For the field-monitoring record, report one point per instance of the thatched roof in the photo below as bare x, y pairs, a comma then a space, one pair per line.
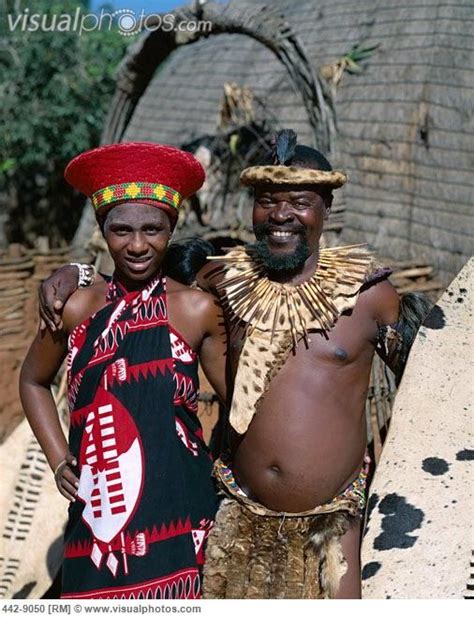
404, 125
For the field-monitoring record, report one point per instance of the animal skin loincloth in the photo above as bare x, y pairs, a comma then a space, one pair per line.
256, 553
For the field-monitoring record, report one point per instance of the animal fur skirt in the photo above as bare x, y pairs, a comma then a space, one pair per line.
253, 555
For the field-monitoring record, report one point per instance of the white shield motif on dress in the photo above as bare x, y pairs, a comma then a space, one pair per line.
111, 467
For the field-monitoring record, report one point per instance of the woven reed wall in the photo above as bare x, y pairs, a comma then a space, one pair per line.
20, 274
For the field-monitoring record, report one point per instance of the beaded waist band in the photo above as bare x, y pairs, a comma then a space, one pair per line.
352, 499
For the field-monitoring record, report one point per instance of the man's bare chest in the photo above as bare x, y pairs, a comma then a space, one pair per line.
351, 339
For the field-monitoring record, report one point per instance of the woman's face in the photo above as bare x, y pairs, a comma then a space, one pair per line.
137, 236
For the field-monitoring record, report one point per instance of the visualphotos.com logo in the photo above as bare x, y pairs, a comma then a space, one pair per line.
126, 21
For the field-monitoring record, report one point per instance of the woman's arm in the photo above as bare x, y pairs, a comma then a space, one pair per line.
43, 361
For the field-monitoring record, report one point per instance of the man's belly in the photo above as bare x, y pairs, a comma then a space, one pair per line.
301, 450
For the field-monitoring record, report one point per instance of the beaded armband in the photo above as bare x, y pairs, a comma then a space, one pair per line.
394, 340
87, 274
389, 343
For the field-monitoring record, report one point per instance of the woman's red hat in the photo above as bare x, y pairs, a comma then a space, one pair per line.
135, 171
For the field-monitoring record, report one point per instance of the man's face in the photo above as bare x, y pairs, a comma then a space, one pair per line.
288, 222
137, 236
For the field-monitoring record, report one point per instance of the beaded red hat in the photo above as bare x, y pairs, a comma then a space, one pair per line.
135, 172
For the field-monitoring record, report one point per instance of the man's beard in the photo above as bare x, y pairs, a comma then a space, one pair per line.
277, 262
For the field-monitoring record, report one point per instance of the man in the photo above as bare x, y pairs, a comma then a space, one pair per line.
305, 323
143, 501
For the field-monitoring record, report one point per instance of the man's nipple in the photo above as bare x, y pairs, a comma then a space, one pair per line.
340, 354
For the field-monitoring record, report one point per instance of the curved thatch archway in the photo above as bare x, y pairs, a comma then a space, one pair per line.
258, 21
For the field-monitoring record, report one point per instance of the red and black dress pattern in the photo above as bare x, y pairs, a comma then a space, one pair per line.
146, 501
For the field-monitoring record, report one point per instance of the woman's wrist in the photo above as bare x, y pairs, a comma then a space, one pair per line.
59, 467
61, 460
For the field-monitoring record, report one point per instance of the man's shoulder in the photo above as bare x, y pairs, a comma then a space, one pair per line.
378, 272
381, 299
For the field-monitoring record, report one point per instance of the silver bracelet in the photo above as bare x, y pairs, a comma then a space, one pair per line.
87, 274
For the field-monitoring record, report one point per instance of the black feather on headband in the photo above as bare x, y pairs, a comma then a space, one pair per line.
283, 147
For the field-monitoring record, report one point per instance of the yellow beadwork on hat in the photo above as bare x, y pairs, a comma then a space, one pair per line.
136, 190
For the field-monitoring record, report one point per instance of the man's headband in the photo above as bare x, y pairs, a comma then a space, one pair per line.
291, 175
284, 170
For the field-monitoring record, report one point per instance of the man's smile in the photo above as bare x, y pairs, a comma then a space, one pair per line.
277, 236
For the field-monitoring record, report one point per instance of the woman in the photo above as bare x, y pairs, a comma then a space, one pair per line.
135, 468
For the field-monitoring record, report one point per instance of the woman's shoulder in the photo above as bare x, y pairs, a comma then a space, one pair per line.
190, 295
84, 303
